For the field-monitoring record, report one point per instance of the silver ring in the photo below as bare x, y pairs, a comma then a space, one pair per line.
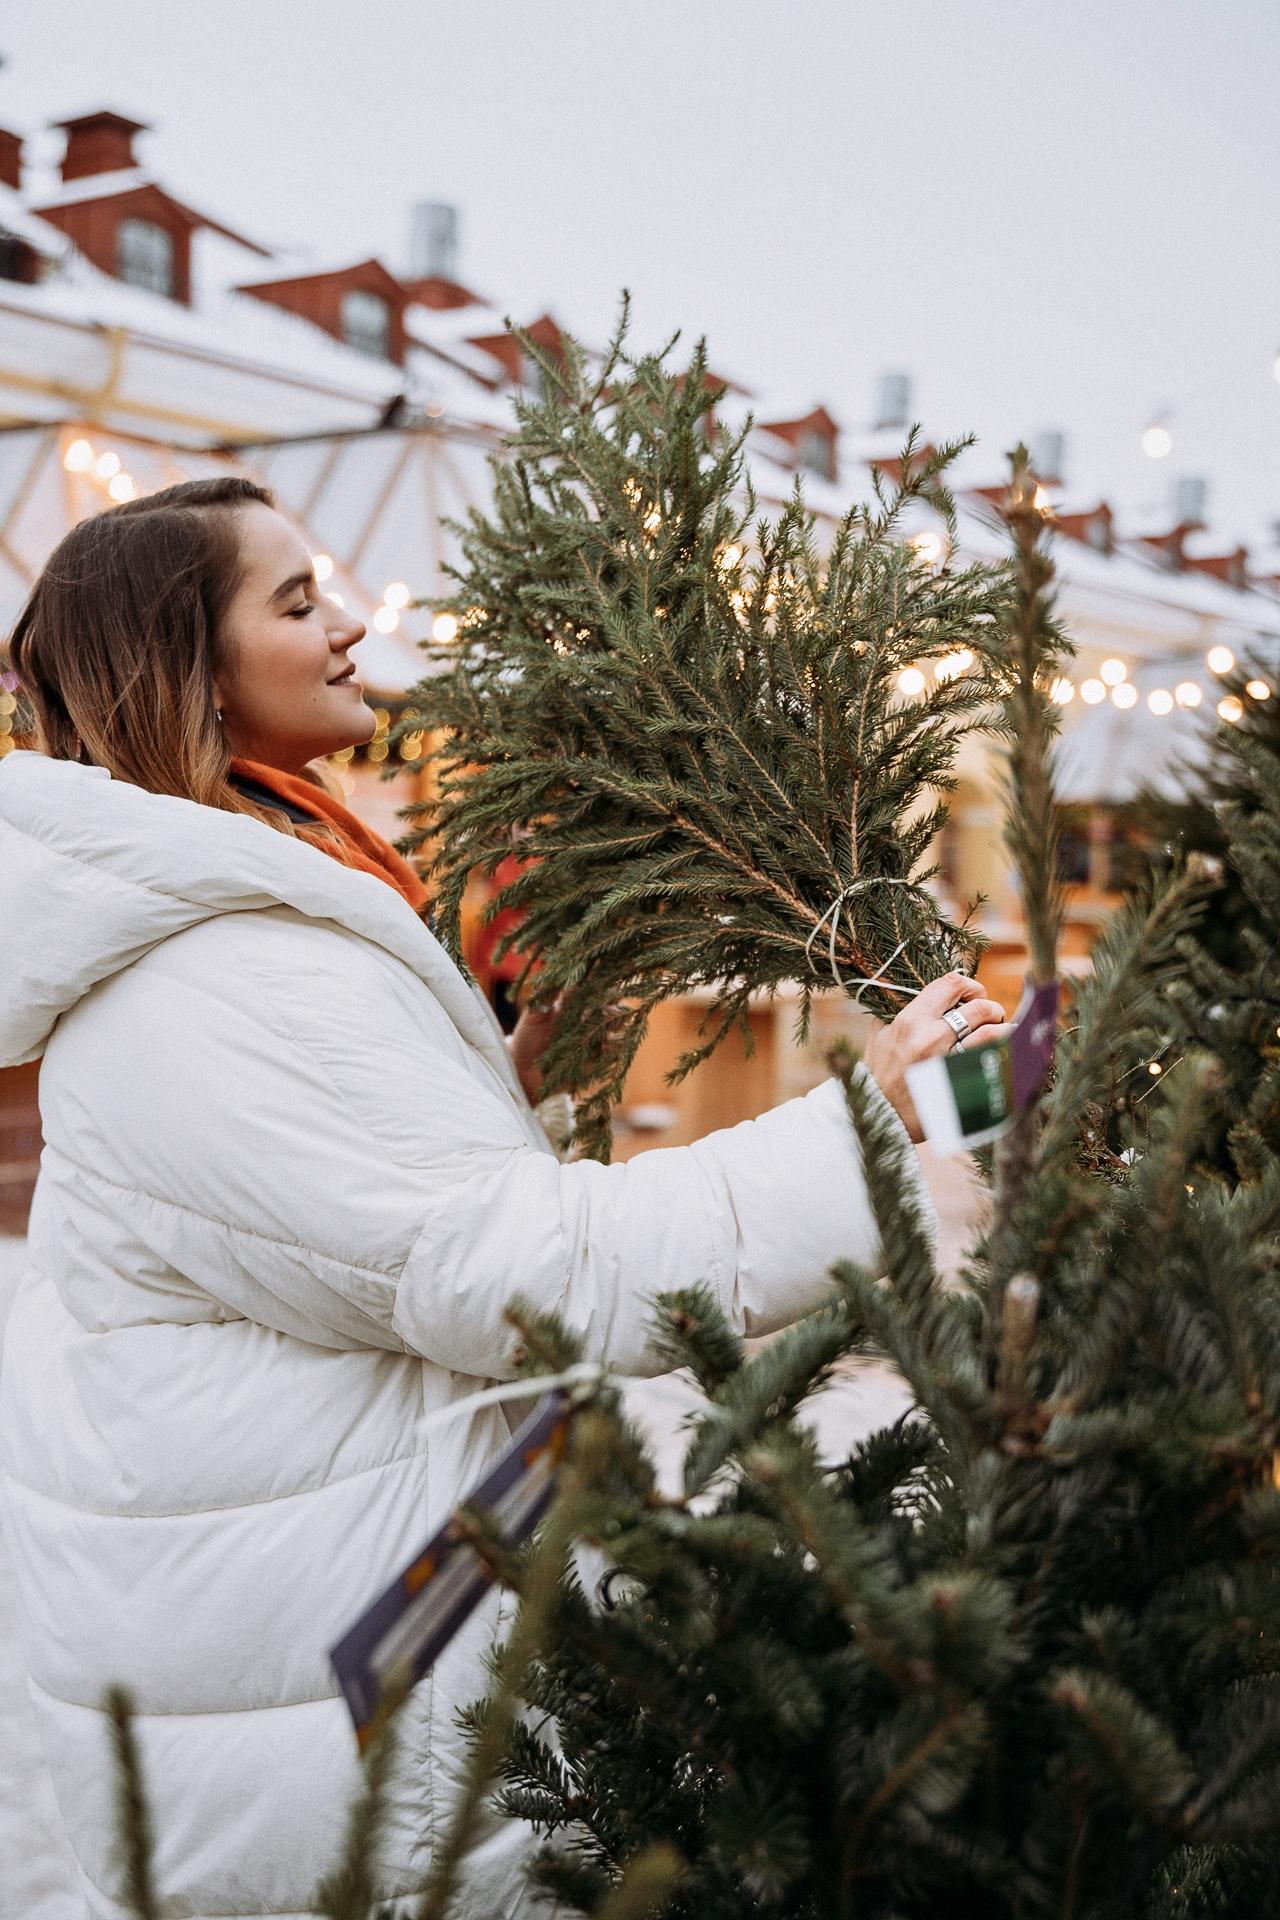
955, 1019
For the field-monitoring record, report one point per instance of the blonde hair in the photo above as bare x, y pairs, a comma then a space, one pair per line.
120, 640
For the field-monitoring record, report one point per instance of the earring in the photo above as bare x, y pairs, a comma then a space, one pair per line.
217, 714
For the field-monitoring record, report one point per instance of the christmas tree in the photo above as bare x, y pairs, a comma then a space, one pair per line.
1227, 998
1018, 1655
694, 721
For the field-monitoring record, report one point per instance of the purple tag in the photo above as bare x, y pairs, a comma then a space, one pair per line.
407, 1627
1032, 1041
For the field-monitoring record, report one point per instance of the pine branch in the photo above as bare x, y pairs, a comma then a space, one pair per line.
702, 741
350, 1890
132, 1815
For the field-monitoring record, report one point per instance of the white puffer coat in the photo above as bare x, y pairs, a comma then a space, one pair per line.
289, 1183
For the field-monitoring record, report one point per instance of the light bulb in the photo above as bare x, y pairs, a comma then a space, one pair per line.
1062, 692
1258, 690
952, 665
1092, 691
1113, 672
728, 557
444, 629
122, 486
322, 566
397, 594
1230, 709
1157, 441
386, 619
1125, 695
1160, 700
1187, 694
911, 682
1220, 659
78, 457
106, 464
927, 548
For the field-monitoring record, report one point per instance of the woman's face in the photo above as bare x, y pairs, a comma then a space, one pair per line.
285, 645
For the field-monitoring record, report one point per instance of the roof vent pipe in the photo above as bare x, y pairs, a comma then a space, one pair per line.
1190, 499
1049, 456
433, 240
893, 400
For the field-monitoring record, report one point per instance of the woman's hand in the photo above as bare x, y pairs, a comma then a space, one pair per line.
529, 1040
920, 1031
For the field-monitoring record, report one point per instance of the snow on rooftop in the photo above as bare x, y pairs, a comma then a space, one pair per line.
17, 219
98, 186
233, 327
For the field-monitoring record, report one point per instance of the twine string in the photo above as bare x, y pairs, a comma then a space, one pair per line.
832, 914
584, 1373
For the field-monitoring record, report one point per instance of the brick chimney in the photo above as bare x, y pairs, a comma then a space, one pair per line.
11, 159
98, 143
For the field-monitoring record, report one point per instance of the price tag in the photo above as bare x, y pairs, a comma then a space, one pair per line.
408, 1626
967, 1097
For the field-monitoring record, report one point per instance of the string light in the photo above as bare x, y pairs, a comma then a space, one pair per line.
1113, 672
1092, 691
1154, 1069
322, 566
1187, 694
1062, 692
1160, 700
727, 558
386, 619
106, 464
1220, 659
911, 682
1230, 709
952, 665
444, 629
1157, 441
927, 548
1258, 690
1125, 694
396, 595
78, 457
122, 486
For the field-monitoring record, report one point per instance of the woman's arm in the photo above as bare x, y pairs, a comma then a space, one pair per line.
299, 1130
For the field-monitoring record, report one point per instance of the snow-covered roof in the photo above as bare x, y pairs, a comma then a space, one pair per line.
17, 219
97, 186
247, 335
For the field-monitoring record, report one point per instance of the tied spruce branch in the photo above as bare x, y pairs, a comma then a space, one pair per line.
688, 722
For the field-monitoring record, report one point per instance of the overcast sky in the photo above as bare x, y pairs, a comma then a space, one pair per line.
1049, 216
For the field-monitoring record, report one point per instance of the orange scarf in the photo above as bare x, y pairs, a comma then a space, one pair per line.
362, 847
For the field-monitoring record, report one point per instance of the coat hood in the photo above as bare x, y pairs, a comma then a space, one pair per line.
95, 871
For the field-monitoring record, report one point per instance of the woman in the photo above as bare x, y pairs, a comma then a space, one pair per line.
290, 1180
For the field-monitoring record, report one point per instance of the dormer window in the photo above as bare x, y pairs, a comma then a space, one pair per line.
146, 256
815, 453
366, 322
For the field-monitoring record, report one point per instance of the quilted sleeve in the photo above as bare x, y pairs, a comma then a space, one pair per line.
325, 1155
